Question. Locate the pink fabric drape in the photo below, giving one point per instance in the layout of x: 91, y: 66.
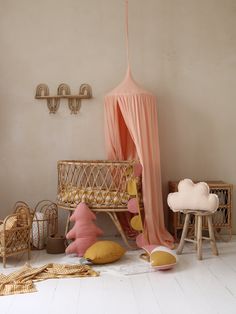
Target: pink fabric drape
x: 131, y: 131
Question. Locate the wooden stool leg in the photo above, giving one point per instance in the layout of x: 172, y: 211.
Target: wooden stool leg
x: 199, y: 236
x: 184, y: 234
x: 212, y: 236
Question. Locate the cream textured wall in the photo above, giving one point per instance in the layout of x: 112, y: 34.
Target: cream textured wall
x: 182, y: 50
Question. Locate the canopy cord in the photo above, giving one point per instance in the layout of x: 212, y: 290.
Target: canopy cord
x: 127, y: 33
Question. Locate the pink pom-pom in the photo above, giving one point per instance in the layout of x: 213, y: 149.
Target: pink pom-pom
x: 140, y: 240
x: 138, y: 170
x: 133, y: 206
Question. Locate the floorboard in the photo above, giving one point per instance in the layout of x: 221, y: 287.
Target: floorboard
x: 132, y: 286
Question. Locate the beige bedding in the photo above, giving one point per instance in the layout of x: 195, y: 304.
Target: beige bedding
x: 74, y: 196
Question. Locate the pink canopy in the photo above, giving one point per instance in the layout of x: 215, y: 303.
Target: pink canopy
x: 131, y: 130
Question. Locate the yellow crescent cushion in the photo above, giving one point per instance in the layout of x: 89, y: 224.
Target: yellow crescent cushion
x: 136, y: 223
x: 103, y: 252
x: 163, y: 258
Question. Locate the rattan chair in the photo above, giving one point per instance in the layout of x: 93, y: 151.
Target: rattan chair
x: 15, y: 233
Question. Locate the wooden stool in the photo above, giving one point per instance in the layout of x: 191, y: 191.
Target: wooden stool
x: 198, y: 214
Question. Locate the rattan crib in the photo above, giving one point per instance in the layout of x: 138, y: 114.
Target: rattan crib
x: 102, y: 185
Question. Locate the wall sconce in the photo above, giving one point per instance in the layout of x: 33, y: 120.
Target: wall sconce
x: 63, y: 91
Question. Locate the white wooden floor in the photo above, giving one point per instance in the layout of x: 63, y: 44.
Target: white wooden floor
x: 207, y: 286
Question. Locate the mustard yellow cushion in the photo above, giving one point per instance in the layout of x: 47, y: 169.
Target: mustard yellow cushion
x: 103, y: 252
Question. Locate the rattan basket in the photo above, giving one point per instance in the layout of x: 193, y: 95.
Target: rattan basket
x: 44, y: 221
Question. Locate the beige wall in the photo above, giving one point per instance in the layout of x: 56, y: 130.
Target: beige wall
x: 182, y: 50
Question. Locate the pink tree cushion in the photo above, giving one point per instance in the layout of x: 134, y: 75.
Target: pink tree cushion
x: 80, y: 245
x: 82, y: 212
x: 84, y: 231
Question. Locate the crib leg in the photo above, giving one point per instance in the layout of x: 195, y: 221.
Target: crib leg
x: 4, y: 260
x: 68, y: 221
x: 115, y: 219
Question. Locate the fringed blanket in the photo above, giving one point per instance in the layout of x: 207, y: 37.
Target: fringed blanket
x: 22, y: 281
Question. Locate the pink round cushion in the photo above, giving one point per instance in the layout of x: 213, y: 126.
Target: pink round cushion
x: 133, y: 206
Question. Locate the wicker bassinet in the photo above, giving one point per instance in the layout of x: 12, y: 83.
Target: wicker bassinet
x: 102, y: 185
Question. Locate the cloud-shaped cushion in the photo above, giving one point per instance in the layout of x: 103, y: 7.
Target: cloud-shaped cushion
x: 193, y: 196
